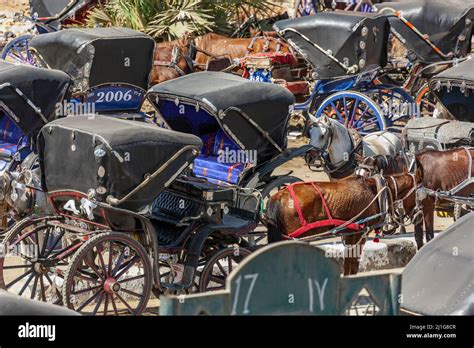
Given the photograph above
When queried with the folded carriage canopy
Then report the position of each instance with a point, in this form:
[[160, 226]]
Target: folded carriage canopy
[[96, 56], [438, 280], [29, 96], [454, 89], [354, 40], [56, 8], [127, 160], [253, 115], [448, 24]]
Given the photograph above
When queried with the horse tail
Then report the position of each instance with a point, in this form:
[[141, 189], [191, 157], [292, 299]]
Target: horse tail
[[271, 220]]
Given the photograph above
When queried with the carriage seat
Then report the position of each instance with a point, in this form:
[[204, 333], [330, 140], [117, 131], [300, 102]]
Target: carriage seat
[[10, 138], [213, 165]]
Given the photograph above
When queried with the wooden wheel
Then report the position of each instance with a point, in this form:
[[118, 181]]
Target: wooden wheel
[[110, 274], [36, 253], [219, 266]]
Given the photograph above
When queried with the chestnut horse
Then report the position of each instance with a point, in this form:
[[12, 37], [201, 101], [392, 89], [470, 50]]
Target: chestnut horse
[[345, 199], [176, 58], [441, 171]]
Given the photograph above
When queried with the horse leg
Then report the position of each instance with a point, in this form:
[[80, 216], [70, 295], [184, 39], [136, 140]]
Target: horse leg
[[419, 235], [429, 218], [352, 253], [419, 228], [403, 229]]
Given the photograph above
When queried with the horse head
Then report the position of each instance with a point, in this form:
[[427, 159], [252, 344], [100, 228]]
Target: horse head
[[171, 60], [319, 132]]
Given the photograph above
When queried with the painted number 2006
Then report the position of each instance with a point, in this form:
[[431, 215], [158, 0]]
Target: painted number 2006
[[111, 96]]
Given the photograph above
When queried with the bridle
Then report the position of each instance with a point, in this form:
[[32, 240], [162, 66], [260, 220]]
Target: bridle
[[329, 167], [176, 55]]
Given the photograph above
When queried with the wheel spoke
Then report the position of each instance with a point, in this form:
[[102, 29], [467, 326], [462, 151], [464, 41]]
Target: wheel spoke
[[111, 251], [94, 269], [229, 264], [221, 268], [217, 279], [26, 284], [101, 261], [45, 244], [43, 293], [99, 302], [33, 291], [89, 300], [16, 280], [129, 264], [86, 290], [55, 244], [17, 266], [133, 278], [106, 304], [125, 303], [114, 305], [131, 292]]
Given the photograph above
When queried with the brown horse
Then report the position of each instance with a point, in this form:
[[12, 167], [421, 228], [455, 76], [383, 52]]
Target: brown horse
[[441, 171], [213, 45], [176, 58], [345, 199]]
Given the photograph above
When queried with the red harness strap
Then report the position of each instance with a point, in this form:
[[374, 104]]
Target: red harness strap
[[305, 226]]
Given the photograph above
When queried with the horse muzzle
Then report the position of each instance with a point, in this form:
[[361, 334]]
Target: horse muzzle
[[313, 159]]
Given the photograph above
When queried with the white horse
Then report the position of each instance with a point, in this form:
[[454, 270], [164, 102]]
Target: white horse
[[339, 148]]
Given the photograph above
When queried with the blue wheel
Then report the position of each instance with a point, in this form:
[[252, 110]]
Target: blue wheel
[[18, 51], [397, 105], [354, 110]]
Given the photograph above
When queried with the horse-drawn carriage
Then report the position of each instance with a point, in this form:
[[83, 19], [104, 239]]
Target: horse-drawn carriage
[[121, 196], [435, 34], [454, 91], [136, 178], [243, 126], [46, 16], [28, 100], [454, 127], [110, 67], [346, 51]]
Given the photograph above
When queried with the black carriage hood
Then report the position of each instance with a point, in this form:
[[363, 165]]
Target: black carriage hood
[[439, 279], [454, 88], [356, 39], [448, 23], [44, 88], [114, 157], [55, 8], [230, 99], [96, 56]]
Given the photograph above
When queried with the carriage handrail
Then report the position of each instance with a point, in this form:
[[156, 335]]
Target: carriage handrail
[[113, 201], [429, 66], [349, 70], [25, 99], [424, 37], [254, 124]]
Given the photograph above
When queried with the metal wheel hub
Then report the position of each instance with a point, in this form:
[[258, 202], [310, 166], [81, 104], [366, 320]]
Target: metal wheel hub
[[40, 268], [111, 286]]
